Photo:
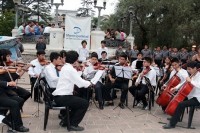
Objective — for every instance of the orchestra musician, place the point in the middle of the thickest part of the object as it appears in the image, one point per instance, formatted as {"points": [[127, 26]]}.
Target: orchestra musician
{"points": [[36, 73], [98, 86], [63, 95], [103, 57], [51, 72], [63, 56], [141, 89], [19, 91], [193, 99], [134, 63], [117, 82]]}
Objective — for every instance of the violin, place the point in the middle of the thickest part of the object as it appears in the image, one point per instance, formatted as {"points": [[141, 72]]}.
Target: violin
{"points": [[58, 67], [146, 70], [9, 69], [44, 62], [98, 66]]}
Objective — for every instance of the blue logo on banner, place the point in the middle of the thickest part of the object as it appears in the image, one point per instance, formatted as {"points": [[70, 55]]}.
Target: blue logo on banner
{"points": [[77, 30]]}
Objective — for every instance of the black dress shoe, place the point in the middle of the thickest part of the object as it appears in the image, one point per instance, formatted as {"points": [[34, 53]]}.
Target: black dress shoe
{"points": [[7, 122], [168, 126], [76, 128], [121, 105], [145, 107], [169, 119], [101, 105], [60, 116], [109, 104], [63, 124], [22, 129]]}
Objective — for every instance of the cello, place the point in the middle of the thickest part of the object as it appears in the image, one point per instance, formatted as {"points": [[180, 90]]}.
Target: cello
{"points": [[180, 96], [166, 96]]}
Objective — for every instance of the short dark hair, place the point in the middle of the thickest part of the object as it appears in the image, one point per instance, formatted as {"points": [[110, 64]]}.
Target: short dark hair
{"points": [[193, 64], [94, 54], [103, 52], [3, 54], [40, 52], [124, 55], [104, 42], [84, 41], [63, 53], [54, 55], [148, 59], [140, 53], [175, 60], [71, 56]]}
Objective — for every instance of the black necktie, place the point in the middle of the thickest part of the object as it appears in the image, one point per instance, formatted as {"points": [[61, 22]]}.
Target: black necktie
{"points": [[57, 73]]}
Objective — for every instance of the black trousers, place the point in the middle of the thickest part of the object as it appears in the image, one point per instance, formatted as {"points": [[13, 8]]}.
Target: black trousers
{"points": [[77, 105], [180, 109], [15, 103], [22, 93], [139, 92], [123, 86], [36, 89], [99, 88]]}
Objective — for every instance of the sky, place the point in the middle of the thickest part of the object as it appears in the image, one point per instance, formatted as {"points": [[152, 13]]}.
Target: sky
{"points": [[75, 4]]}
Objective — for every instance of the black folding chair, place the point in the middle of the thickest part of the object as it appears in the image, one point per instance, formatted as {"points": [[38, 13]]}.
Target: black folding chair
{"points": [[50, 104]]}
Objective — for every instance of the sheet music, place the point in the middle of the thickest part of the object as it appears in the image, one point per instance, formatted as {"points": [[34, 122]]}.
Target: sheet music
{"points": [[123, 72]]}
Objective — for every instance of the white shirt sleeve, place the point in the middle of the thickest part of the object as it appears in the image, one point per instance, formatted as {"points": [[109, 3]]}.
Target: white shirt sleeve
{"points": [[50, 74], [182, 75], [77, 80], [31, 70]]}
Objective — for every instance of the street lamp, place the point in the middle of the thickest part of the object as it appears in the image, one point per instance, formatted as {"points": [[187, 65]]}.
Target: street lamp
{"points": [[130, 10], [17, 3], [99, 11], [57, 3]]}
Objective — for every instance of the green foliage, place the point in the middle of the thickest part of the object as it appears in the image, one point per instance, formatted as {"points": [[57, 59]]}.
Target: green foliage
{"points": [[6, 23], [160, 22]]}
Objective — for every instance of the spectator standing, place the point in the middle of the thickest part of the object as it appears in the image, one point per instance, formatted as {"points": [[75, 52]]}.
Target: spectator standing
{"points": [[21, 30], [146, 51], [83, 52], [41, 45]]}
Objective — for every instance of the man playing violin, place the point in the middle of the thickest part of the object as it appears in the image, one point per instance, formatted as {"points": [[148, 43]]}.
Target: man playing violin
{"points": [[51, 71], [141, 89], [117, 82], [193, 99], [94, 66], [36, 72]]}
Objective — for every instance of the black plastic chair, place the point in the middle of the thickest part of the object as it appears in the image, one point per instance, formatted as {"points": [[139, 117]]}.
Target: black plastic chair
{"points": [[50, 104], [191, 114]]}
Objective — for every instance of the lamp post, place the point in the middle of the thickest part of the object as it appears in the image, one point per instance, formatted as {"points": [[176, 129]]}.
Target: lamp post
{"points": [[99, 11], [17, 3], [130, 10], [57, 3]]}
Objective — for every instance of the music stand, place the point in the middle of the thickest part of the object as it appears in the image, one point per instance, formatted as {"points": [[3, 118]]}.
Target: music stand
{"points": [[151, 89], [124, 73], [37, 84]]}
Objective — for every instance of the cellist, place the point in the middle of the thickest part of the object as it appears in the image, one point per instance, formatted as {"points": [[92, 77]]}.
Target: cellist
{"points": [[193, 99]]}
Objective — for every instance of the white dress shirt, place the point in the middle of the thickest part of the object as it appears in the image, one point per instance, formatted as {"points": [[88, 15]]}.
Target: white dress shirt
{"points": [[93, 75], [182, 74], [37, 69], [51, 76], [151, 75], [196, 87], [83, 54], [68, 78], [100, 50]]}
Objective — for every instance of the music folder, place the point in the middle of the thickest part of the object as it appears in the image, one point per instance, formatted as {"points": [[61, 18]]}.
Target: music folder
{"points": [[139, 64], [123, 72]]}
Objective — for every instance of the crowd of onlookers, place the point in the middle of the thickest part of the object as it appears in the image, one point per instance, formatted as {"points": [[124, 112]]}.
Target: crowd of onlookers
{"points": [[34, 28], [117, 34]]}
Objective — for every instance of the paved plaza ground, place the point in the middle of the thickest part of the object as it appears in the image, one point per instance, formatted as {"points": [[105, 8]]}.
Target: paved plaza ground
{"points": [[105, 121]]}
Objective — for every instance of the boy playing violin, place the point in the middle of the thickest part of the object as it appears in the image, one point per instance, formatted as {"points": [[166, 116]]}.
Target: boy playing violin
{"points": [[94, 66], [193, 99], [141, 84]]}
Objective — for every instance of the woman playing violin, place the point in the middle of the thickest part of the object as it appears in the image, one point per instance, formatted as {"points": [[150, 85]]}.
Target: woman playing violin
{"points": [[193, 99], [141, 89]]}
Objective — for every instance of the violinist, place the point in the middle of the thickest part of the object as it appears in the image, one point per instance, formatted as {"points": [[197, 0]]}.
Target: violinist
{"points": [[51, 71], [141, 89], [117, 82], [63, 54], [103, 56], [94, 67], [193, 99], [15, 74], [36, 72]]}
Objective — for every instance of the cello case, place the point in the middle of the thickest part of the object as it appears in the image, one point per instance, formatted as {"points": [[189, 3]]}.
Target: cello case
{"points": [[180, 96], [165, 97]]}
